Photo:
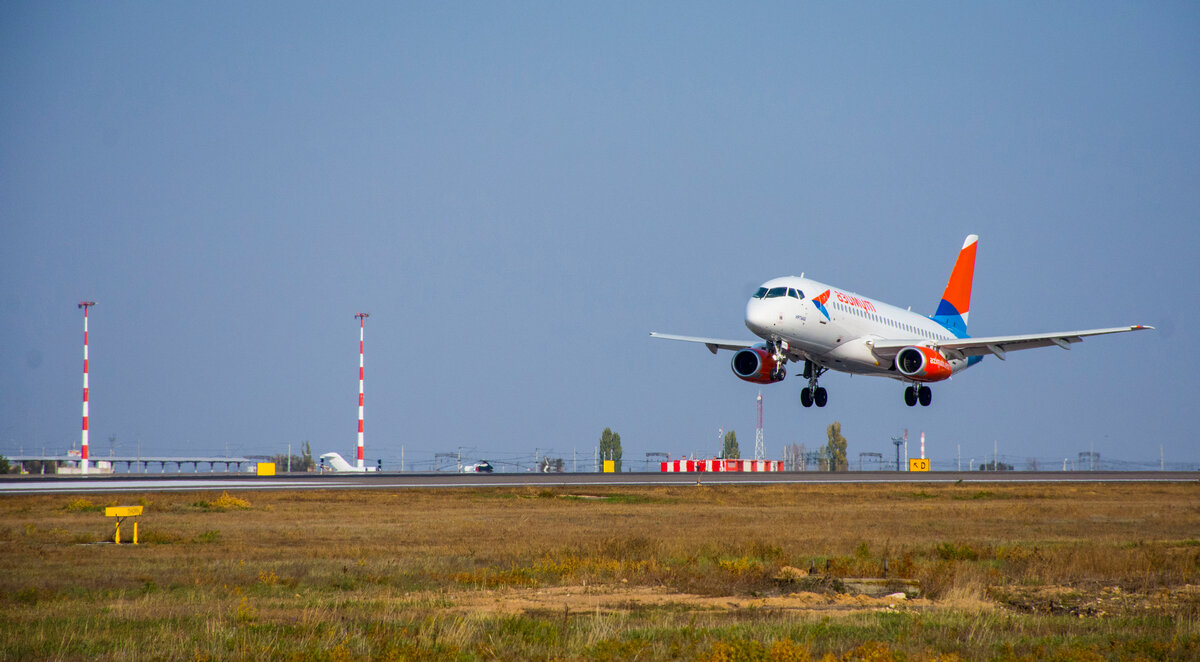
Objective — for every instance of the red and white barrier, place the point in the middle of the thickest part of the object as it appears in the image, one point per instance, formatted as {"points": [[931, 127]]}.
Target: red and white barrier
{"points": [[715, 466]]}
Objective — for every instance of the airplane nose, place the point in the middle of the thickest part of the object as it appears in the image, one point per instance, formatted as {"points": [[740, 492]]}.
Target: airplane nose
{"points": [[758, 316]]}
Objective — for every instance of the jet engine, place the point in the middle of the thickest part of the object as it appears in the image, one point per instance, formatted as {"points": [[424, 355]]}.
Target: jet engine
{"points": [[922, 364], [755, 364]]}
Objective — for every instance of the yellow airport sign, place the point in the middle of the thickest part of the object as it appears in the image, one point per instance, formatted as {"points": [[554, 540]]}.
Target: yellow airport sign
{"points": [[266, 468], [122, 511], [610, 466], [918, 464]]}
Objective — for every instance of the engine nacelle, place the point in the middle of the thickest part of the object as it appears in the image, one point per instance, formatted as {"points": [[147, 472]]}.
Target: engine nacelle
{"points": [[755, 364], [922, 364]]}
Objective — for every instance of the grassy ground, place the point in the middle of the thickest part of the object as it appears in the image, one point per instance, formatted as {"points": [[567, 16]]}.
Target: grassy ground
{"points": [[722, 573]]}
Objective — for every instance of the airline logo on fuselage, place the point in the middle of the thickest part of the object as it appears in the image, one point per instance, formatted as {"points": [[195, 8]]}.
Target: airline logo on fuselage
{"points": [[819, 302]]}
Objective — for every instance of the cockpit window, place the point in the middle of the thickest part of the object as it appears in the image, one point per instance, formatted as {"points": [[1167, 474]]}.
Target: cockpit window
{"points": [[776, 292], [762, 292], [795, 294]]}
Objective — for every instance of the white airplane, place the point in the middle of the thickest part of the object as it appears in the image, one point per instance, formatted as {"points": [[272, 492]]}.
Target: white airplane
{"points": [[338, 464], [830, 329]]}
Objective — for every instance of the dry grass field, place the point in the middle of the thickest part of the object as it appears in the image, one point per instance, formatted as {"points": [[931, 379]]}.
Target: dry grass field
{"points": [[1063, 572]]}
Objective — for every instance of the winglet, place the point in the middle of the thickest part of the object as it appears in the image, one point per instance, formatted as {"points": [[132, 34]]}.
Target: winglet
{"points": [[955, 307]]}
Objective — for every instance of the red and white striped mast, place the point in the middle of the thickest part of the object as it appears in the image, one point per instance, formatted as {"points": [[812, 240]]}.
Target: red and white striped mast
{"points": [[83, 453], [361, 319]]}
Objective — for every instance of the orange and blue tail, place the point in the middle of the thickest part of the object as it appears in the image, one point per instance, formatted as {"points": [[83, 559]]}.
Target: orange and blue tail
{"points": [[956, 300]]}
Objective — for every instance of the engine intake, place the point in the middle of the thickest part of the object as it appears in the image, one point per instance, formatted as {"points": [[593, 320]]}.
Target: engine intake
{"points": [[922, 364], [757, 365]]}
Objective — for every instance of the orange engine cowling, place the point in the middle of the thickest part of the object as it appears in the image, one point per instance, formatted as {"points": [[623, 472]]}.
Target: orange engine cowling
{"points": [[755, 364], [922, 364]]}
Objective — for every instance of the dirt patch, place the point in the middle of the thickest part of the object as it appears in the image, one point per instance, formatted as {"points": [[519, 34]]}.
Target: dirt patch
{"points": [[614, 598], [1098, 601]]}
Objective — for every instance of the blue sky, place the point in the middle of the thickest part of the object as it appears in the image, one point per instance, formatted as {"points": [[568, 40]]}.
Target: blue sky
{"points": [[518, 192]]}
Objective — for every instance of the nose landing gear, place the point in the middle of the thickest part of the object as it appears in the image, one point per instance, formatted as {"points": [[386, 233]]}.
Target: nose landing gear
{"points": [[813, 394], [918, 393]]}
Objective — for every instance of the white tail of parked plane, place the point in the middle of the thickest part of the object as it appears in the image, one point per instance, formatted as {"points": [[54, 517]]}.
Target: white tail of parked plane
{"points": [[338, 464]]}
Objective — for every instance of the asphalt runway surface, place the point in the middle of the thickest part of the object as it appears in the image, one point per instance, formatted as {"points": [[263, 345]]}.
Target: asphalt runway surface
{"points": [[333, 481]]}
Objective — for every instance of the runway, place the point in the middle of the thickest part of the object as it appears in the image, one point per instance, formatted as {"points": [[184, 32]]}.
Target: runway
{"points": [[332, 481]]}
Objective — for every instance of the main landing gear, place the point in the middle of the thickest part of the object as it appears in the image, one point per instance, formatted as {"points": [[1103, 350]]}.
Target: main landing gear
{"points": [[813, 394], [918, 393]]}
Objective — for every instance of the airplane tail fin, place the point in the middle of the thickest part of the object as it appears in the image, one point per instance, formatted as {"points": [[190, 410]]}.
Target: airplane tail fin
{"points": [[956, 300], [337, 462]]}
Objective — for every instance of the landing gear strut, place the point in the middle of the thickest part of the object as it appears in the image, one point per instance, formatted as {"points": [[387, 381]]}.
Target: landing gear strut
{"points": [[813, 394], [918, 393], [779, 352]]}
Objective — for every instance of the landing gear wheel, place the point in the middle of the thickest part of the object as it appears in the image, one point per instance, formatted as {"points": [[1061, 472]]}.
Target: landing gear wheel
{"points": [[820, 397], [925, 396], [910, 397], [806, 397]]}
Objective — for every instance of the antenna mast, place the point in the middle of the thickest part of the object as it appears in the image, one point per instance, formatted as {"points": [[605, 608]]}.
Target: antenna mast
{"points": [[361, 319], [83, 453], [759, 450]]}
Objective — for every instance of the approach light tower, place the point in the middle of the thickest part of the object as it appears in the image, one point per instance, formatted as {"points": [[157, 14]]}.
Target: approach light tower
{"points": [[760, 452], [83, 452], [361, 320]]}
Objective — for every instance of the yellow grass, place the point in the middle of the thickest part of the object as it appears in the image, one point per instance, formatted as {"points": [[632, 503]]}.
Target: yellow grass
{"points": [[656, 573]]}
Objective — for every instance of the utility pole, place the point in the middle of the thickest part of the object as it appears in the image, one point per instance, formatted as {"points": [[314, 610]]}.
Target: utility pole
{"points": [[898, 441], [960, 457], [83, 453], [289, 457], [361, 317]]}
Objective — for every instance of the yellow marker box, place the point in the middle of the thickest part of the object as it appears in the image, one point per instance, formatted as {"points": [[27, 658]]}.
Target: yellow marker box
{"points": [[122, 511], [610, 466], [918, 464], [266, 468]]}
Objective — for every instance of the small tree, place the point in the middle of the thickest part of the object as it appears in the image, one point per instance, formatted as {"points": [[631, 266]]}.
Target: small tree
{"points": [[731, 450], [610, 447], [836, 448], [306, 459], [302, 462]]}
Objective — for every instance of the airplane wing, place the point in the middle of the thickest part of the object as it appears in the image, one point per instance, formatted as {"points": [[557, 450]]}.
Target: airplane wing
{"points": [[997, 345], [713, 344]]}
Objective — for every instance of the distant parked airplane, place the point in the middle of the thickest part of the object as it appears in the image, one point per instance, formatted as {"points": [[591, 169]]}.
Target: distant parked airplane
{"points": [[339, 465], [804, 320]]}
